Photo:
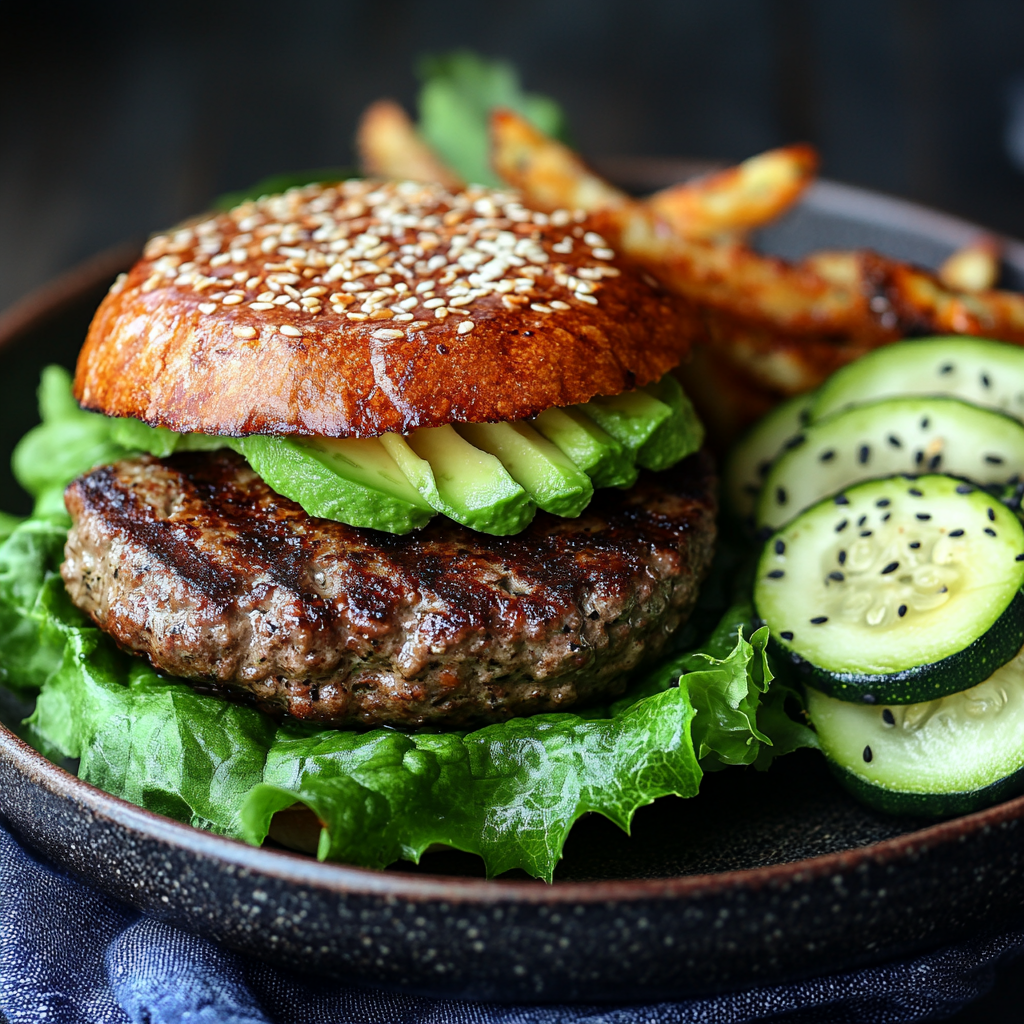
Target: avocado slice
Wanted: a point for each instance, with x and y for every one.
(551, 479)
(595, 451)
(466, 484)
(351, 480)
(680, 435)
(631, 418)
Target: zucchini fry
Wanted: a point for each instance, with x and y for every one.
(389, 147)
(740, 198)
(974, 268)
(550, 174)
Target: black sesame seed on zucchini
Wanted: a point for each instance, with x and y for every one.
(752, 456)
(942, 757)
(896, 591)
(975, 370)
(897, 435)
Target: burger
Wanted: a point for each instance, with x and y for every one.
(400, 465)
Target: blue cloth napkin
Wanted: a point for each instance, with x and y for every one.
(70, 955)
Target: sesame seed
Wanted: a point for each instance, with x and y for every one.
(418, 325)
(245, 333)
(207, 307)
(289, 331)
(539, 307)
(403, 316)
(465, 327)
(388, 335)
(357, 316)
(406, 238)
(260, 305)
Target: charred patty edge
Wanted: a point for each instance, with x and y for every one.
(195, 564)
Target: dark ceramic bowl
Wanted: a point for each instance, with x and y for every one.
(762, 878)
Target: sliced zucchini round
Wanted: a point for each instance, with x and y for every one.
(897, 435)
(754, 453)
(976, 370)
(941, 757)
(897, 590)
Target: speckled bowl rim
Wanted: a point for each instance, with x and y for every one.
(300, 869)
(304, 870)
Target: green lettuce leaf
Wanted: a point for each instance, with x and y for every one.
(455, 102)
(66, 444)
(71, 441)
(28, 560)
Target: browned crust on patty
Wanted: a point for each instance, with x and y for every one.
(533, 314)
(194, 563)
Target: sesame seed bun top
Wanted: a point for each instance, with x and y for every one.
(362, 307)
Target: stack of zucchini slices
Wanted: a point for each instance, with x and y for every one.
(893, 564)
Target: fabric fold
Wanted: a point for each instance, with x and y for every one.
(72, 955)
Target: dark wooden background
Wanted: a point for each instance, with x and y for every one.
(117, 119)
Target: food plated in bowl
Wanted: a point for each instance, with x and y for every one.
(680, 911)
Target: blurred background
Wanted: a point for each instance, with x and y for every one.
(118, 119)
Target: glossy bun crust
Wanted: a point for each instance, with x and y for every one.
(359, 308)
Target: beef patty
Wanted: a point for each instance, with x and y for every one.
(194, 563)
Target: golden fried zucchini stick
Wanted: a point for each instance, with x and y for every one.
(740, 198)
(552, 175)
(728, 276)
(974, 268)
(854, 299)
(389, 147)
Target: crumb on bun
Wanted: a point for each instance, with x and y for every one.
(362, 307)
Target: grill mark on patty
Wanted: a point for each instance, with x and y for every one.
(196, 564)
(170, 543)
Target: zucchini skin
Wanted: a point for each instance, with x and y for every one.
(960, 671)
(928, 805)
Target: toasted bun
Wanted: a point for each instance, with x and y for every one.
(359, 308)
